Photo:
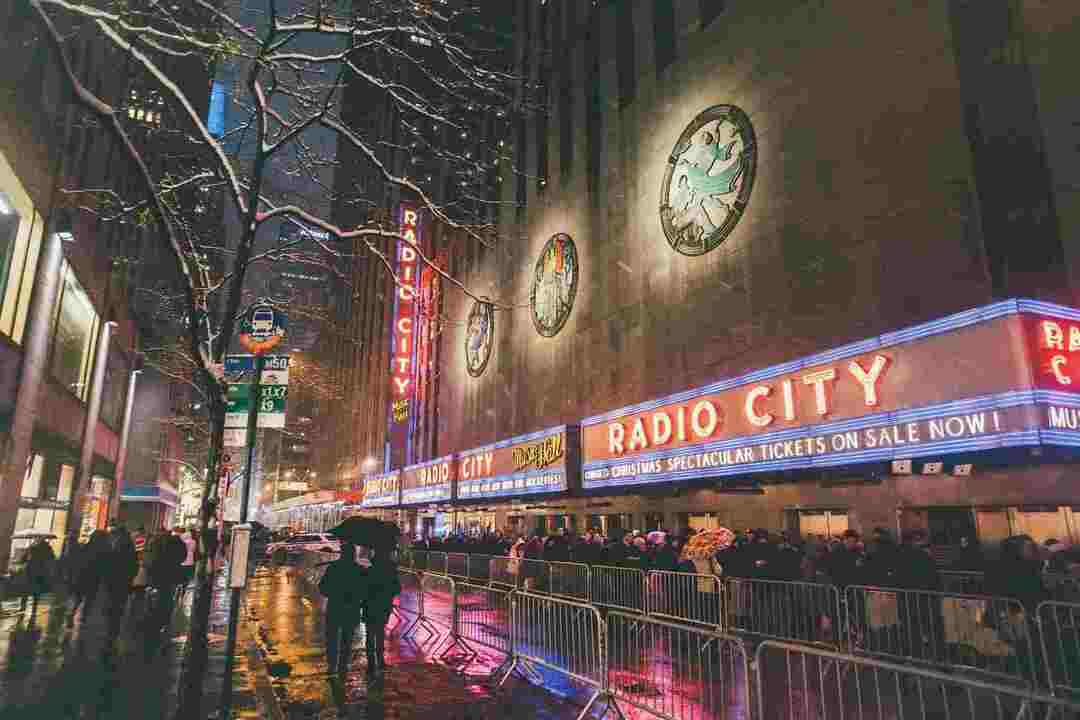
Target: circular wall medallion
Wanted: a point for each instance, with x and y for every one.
(708, 180)
(554, 284)
(479, 334)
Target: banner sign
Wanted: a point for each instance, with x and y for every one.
(428, 482)
(382, 490)
(957, 384)
(526, 465)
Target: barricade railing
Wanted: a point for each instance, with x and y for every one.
(409, 605)
(684, 597)
(504, 571)
(419, 560)
(782, 610)
(962, 582)
(618, 588)
(1059, 632)
(436, 562)
(560, 635)
(984, 635)
(1062, 587)
(569, 580)
(674, 671)
(532, 575)
(457, 564)
(480, 568)
(797, 682)
(484, 615)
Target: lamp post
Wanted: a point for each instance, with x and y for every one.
(121, 456)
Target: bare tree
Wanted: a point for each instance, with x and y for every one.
(291, 63)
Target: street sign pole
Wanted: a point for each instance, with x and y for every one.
(245, 491)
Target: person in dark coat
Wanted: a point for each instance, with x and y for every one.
(844, 564)
(121, 567)
(344, 584)
(165, 555)
(39, 570)
(381, 586)
(88, 569)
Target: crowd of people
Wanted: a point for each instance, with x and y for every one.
(850, 559)
(116, 564)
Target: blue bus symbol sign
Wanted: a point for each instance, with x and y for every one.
(262, 322)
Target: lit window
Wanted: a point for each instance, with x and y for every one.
(20, 243)
(73, 336)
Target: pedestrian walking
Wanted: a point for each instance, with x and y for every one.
(120, 571)
(344, 586)
(165, 556)
(39, 571)
(88, 566)
(381, 587)
(187, 567)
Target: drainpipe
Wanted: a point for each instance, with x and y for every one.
(86, 459)
(121, 457)
(28, 395)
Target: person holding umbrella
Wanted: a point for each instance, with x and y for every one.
(344, 586)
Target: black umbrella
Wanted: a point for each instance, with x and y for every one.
(368, 532)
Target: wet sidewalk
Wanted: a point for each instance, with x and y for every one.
(49, 671)
(287, 618)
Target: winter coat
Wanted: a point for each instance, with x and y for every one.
(40, 566)
(90, 562)
(344, 584)
(164, 556)
(122, 564)
(381, 586)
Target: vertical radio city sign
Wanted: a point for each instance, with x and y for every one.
(404, 327)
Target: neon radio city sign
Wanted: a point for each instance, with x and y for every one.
(762, 405)
(1059, 340)
(405, 316)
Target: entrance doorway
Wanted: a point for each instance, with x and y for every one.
(946, 526)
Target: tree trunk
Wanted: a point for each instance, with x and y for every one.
(193, 672)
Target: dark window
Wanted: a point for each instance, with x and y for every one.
(664, 33)
(624, 53)
(710, 10)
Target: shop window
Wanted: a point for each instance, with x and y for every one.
(35, 469)
(74, 336)
(654, 521)
(20, 242)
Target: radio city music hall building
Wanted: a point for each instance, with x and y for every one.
(760, 269)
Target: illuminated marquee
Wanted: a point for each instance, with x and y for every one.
(922, 391)
(402, 372)
(533, 464)
(428, 482)
(381, 490)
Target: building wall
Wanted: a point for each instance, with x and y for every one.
(865, 213)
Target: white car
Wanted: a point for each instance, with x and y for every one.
(320, 542)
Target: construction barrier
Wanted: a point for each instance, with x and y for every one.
(1059, 632)
(781, 610)
(684, 597)
(457, 564)
(617, 588)
(569, 580)
(674, 671)
(797, 682)
(980, 634)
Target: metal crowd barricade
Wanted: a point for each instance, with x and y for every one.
(567, 579)
(479, 568)
(675, 671)
(484, 615)
(1062, 588)
(798, 682)
(617, 587)
(419, 559)
(799, 611)
(532, 575)
(987, 635)
(504, 571)
(457, 564)
(436, 562)
(1059, 632)
(409, 605)
(684, 597)
(559, 635)
(962, 582)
